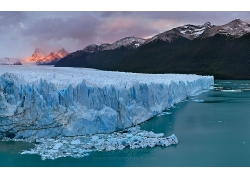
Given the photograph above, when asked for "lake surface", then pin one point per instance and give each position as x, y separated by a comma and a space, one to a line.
213, 129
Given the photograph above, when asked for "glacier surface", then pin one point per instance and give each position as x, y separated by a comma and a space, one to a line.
48, 102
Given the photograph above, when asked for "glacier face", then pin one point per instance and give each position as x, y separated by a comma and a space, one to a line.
37, 102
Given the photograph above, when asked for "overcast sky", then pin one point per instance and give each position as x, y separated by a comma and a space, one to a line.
22, 32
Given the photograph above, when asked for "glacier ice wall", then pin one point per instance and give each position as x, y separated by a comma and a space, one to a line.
54, 103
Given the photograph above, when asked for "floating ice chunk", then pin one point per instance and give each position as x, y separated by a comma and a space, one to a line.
133, 138
159, 135
164, 113
57, 146
232, 90
88, 145
29, 152
129, 135
53, 151
94, 138
174, 139
75, 142
198, 100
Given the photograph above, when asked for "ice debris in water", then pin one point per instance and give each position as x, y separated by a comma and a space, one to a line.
231, 90
81, 146
198, 100
164, 113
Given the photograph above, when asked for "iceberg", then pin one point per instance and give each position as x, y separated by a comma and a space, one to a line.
48, 102
81, 146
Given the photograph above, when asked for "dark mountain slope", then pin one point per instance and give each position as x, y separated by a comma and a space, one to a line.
100, 60
105, 60
221, 56
73, 59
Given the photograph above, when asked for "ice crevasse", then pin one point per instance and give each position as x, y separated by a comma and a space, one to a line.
53, 102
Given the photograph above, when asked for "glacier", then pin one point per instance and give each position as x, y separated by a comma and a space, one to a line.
49, 102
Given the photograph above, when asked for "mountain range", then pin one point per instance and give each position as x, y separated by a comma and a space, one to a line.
219, 50
51, 59
10, 61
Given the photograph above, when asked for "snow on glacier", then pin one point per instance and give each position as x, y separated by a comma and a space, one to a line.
49, 102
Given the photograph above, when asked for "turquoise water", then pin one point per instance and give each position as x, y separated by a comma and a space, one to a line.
212, 132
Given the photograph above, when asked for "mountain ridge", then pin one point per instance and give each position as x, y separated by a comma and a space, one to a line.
199, 49
40, 57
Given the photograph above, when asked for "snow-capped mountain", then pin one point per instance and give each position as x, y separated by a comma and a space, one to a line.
133, 42
42, 59
95, 48
188, 31
10, 61
235, 28
130, 42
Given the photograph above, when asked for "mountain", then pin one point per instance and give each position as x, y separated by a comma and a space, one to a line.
188, 31
37, 55
10, 61
129, 42
42, 59
220, 56
236, 29
98, 56
218, 50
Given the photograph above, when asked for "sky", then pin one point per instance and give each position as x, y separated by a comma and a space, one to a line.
23, 31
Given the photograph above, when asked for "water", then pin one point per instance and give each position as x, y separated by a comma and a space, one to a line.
213, 130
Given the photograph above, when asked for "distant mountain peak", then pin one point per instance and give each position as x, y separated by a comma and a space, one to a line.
188, 31
207, 25
41, 58
37, 55
235, 28
238, 21
91, 48
62, 53
132, 41
10, 61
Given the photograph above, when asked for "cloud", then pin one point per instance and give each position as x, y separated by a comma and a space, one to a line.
22, 32
107, 14
11, 20
80, 28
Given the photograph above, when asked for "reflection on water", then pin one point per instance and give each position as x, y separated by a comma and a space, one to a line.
212, 132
